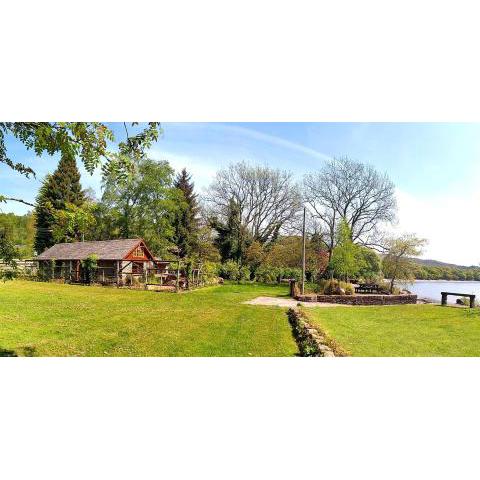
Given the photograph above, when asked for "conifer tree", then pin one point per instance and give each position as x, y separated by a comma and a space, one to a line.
58, 189
186, 222
232, 239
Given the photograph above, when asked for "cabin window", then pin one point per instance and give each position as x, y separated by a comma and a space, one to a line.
138, 252
137, 268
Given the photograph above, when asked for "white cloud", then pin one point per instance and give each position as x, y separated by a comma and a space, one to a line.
446, 221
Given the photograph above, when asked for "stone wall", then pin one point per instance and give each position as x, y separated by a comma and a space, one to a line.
363, 299
311, 342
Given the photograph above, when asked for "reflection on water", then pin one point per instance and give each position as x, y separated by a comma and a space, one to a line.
431, 289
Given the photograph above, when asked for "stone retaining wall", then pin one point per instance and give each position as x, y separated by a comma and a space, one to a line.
364, 299
310, 341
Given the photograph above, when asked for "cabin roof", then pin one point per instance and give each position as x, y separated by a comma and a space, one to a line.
103, 249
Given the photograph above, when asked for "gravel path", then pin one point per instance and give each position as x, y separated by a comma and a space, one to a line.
289, 302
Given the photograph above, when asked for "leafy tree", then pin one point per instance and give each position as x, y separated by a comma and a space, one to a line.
20, 231
346, 259
186, 222
233, 238
74, 223
8, 254
206, 250
59, 189
397, 264
87, 140
370, 263
145, 204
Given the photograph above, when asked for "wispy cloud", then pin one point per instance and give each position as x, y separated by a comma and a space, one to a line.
273, 140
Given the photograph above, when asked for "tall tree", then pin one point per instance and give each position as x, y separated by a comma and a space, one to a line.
267, 199
346, 190
346, 260
145, 204
59, 189
186, 223
233, 239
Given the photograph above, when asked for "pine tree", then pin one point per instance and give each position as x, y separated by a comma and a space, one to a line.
186, 222
232, 239
58, 189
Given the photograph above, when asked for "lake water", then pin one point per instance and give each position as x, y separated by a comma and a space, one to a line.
431, 289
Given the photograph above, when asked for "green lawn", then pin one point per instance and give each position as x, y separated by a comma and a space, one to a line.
49, 319
403, 330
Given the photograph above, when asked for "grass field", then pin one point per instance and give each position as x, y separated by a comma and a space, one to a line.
48, 319
403, 330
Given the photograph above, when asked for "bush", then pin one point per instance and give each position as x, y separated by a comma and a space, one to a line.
210, 272
335, 287
230, 270
267, 274
332, 287
244, 273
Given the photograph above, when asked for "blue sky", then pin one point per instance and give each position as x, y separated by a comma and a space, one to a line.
435, 166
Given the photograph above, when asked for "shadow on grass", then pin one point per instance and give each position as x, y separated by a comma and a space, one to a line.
7, 353
27, 351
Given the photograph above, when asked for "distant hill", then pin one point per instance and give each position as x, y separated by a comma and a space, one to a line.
437, 263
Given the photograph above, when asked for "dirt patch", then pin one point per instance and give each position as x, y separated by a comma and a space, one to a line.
289, 302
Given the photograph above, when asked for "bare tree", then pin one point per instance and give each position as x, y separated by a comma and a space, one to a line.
352, 191
268, 198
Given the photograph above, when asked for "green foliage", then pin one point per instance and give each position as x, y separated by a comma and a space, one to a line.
267, 274
90, 266
86, 140
370, 264
233, 238
20, 231
8, 254
74, 223
186, 223
230, 270
59, 189
210, 272
397, 264
143, 205
347, 257
336, 287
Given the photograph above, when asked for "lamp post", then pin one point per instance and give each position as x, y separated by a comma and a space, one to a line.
303, 250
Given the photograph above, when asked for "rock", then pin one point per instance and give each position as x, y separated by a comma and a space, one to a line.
328, 354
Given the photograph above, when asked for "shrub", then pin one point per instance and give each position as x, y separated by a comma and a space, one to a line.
210, 272
230, 270
244, 273
267, 274
332, 287
349, 290
89, 266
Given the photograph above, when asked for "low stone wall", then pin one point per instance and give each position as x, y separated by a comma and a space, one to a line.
363, 299
310, 341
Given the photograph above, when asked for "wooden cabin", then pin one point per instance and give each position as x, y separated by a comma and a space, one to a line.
118, 261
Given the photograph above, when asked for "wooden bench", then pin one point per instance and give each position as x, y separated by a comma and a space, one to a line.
446, 294
367, 288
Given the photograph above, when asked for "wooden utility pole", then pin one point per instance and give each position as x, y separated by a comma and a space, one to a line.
303, 250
